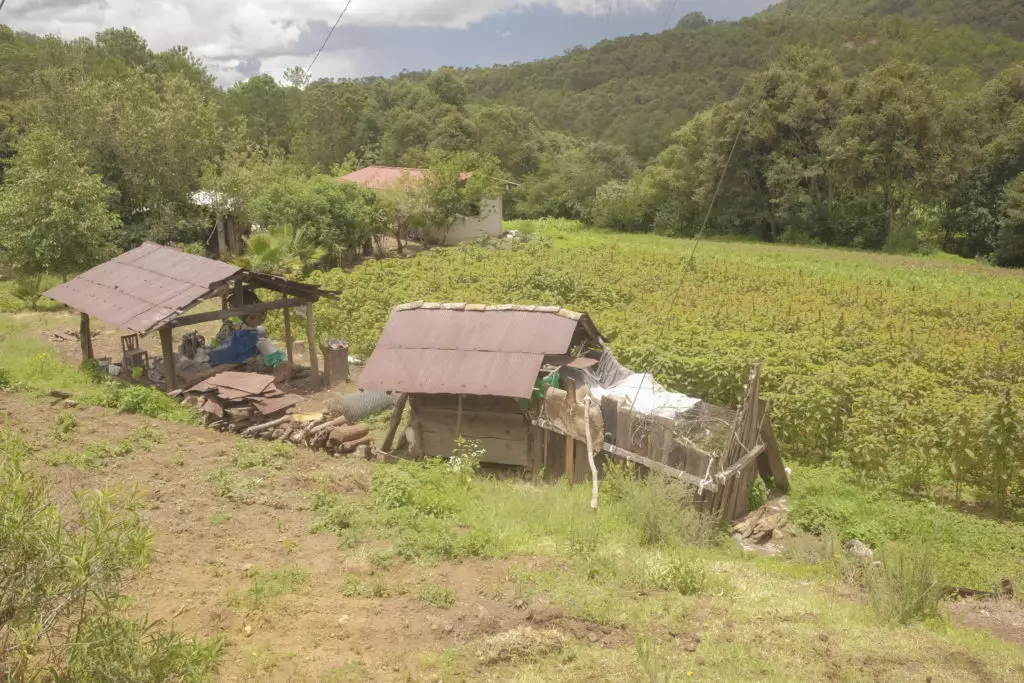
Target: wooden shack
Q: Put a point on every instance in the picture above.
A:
(149, 288)
(472, 370)
(539, 390)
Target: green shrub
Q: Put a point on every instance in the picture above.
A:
(332, 514)
(905, 588)
(63, 570)
(140, 400)
(672, 573)
(437, 596)
(758, 494)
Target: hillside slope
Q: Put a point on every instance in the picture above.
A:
(638, 90)
(1005, 16)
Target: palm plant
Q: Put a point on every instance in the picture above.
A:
(281, 250)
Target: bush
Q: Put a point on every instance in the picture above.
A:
(437, 596)
(60, 603)
(906, 588)
(758, 494)
(672, 573)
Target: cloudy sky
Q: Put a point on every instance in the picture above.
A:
(241, 38)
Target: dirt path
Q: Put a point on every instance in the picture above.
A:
(220, 526)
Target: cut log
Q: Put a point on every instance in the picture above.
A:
(349, 433)
(59, 394)
(327, 426)
(351, 446)
(258, 429)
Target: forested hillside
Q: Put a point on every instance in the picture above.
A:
(1006, 16)
(637, 91)
(872, 124)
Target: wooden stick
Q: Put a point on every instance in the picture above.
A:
(618, 452)
(167, 344)
(396, 420)
(314, 363)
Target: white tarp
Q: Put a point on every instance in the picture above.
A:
(647, 396)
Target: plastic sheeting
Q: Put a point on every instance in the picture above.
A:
(646, 396)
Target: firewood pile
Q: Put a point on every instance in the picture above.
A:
(252, 405)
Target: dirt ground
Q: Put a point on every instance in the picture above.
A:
(227, 513)
(107, 344)
(209, 546)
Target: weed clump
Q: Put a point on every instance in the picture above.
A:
(673, 573)
(520, 644)
(437, 596)
(905, 588)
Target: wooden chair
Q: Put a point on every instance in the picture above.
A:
(133, 355)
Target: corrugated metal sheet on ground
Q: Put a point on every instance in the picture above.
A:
(447, 371)
(143, 288)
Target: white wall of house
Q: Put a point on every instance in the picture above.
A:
(468, 228)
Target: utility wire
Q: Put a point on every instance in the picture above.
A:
(735, 144)
(2, 3)
(329, 34)
(668, 14)
(608, 22)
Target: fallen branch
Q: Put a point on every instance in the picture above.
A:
(257, 429)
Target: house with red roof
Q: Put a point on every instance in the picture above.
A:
(486, 222)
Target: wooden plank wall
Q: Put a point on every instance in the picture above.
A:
(496, 423)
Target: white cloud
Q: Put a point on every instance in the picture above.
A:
(229, 33)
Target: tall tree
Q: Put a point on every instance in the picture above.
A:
(54, 213)
(889, 144)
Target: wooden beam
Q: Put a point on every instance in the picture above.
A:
(396, 420)
(167, 344)
(85, 335)
(314, 363)
(231, 312)
(288, 341)
(617, 452)
(238, 295)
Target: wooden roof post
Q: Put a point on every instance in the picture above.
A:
(314, 363)
(167, 344)
(288, 342)
(86, 338)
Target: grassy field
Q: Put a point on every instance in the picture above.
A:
(893, 367)
(885, 374)
(300, 567)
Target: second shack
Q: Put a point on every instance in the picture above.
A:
(469, 369)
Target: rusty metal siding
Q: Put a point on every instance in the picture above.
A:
(143, 288)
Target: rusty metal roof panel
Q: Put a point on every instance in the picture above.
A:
(469, 349)
(488, 330)
(143, 288)
(448, 371)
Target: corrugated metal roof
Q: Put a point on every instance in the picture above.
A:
(143, 288)
(467, 349)
(380, 177)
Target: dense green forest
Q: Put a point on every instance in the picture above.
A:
(872, 124)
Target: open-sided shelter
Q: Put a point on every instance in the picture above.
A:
(538, 389)
(151, 287)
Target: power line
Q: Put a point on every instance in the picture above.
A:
(330, 33)
(608, 22)
(668, 14)
(2, 3)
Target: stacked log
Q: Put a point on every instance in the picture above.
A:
(256, 409)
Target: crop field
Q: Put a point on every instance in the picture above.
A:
(888, 376)
(895, 368)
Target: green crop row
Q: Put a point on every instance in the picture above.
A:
(895, 367)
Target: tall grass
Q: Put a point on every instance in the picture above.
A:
(905, 588)
(27, 364)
